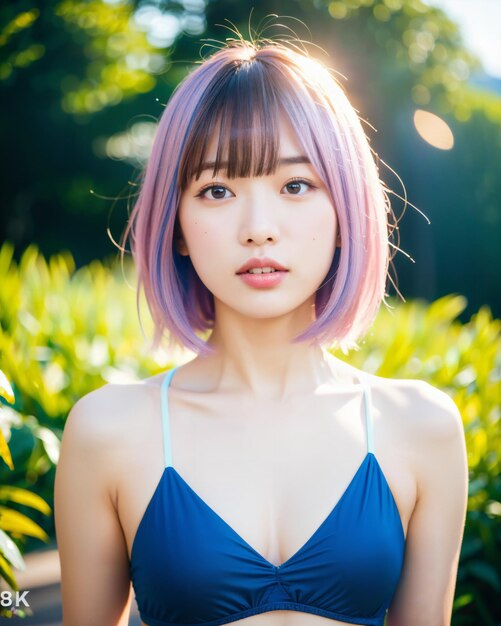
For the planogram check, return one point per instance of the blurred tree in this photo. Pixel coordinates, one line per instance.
(85, 82)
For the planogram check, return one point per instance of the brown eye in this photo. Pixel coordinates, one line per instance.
(216, 192)
(294, 187)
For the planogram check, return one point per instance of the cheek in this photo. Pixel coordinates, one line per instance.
(318, 232)
(205, 242)
(196, 231)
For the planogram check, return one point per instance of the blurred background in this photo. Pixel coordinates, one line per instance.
(82, 86)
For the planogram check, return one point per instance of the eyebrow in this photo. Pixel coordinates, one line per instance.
(292, 160)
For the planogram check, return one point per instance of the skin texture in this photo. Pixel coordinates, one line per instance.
(293, 406)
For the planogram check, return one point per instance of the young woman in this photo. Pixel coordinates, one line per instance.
(265, 481)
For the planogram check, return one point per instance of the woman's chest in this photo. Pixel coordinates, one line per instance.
(272, 475)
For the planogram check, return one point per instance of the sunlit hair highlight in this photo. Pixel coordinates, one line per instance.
(240, 92)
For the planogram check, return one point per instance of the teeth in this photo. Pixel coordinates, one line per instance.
(261, 270)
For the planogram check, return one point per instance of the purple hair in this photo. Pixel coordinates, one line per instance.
(240, 92)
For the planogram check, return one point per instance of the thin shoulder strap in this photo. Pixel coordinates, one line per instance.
(165, 416)
(364, 380)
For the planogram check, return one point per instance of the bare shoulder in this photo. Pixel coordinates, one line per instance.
(434, 417)
(105, 424)
(429, 413)
(428, 420)
(101, 414)
(440, 446)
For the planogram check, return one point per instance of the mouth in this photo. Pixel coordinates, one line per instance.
(262, 270)
(263, 278)
(261, 265)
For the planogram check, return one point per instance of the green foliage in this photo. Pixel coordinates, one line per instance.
(119, 60)
(113, 51)
(65, 332)
(412, 34)
(12, 521)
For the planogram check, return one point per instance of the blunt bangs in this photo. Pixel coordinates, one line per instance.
(243, 109)
(237, 96)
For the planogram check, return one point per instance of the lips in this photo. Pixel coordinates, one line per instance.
(261, 262)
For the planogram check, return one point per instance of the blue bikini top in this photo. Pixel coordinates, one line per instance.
(189, 567)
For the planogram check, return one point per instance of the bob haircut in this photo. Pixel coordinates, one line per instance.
(240, 91)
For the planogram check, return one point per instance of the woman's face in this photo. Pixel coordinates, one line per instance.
(286, 216)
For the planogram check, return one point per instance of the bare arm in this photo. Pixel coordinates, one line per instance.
(95, 581)
(425, 593)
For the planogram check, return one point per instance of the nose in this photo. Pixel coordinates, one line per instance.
(259, 224)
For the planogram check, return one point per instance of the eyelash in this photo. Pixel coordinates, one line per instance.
(216, 184)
